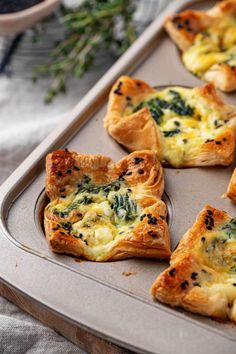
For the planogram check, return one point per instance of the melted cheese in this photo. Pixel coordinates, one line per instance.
(98, 218)
(217, 251)
(214, 46)
(201, 122)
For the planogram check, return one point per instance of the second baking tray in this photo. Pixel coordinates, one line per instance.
(100, 296)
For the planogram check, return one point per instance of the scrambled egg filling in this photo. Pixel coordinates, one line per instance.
(98, 215)
(216, 45)
(186, 121)
(217, 248)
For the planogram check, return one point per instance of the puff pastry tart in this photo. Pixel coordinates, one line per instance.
(104, 211)
(187, 127)
(231, 191)
(208, 42)
(202, 274)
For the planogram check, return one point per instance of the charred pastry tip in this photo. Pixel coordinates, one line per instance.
(172, 272)
(184, 284)
(128, 173)
(142, 217)
(176, 18)
(209, 228)
(152, 220)
(138, 160)
(153, 234)
(117, 91)
(194, 275)
(196, 284)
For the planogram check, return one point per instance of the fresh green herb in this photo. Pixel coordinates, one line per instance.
(95, 189)
(125, 208)
(170, 133)
(84, 200)
(230, 228)
(179, 106)
(157, 106)
(88, 28)
(67, 226)
(233, 269)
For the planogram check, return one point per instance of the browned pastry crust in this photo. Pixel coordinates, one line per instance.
(231, 191)
(139, 131)
(183, 28)
(142, 176)
(178, 27)
(200, 277)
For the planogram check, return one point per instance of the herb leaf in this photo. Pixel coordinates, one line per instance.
(125, 208)
(89, 27)
(157, 106)
(170, 133)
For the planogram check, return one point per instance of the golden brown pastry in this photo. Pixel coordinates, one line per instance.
(104, 211)
(208, 42)
(202, 273)
(231, 191)
(186, 127)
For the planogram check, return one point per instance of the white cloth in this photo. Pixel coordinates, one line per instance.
(20, 334)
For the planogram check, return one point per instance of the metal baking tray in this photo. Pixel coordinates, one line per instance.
(98, 296)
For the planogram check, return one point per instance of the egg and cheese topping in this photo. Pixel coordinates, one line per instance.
(184, 118)
(216, 45)
(217, 250)
(98, 215)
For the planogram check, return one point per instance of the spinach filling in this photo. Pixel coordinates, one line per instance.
(96, 189)
(157, 106)
(84, 200)
(123, 206)
(215, 248)
(230, 229)
(170, 133)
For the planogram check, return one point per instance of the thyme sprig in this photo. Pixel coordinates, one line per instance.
(88, 28)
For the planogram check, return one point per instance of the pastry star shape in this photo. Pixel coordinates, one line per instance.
(187, 127)
(202, 273)
(100, 210)
(208, 42)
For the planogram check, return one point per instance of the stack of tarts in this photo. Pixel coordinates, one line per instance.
(106, 211)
